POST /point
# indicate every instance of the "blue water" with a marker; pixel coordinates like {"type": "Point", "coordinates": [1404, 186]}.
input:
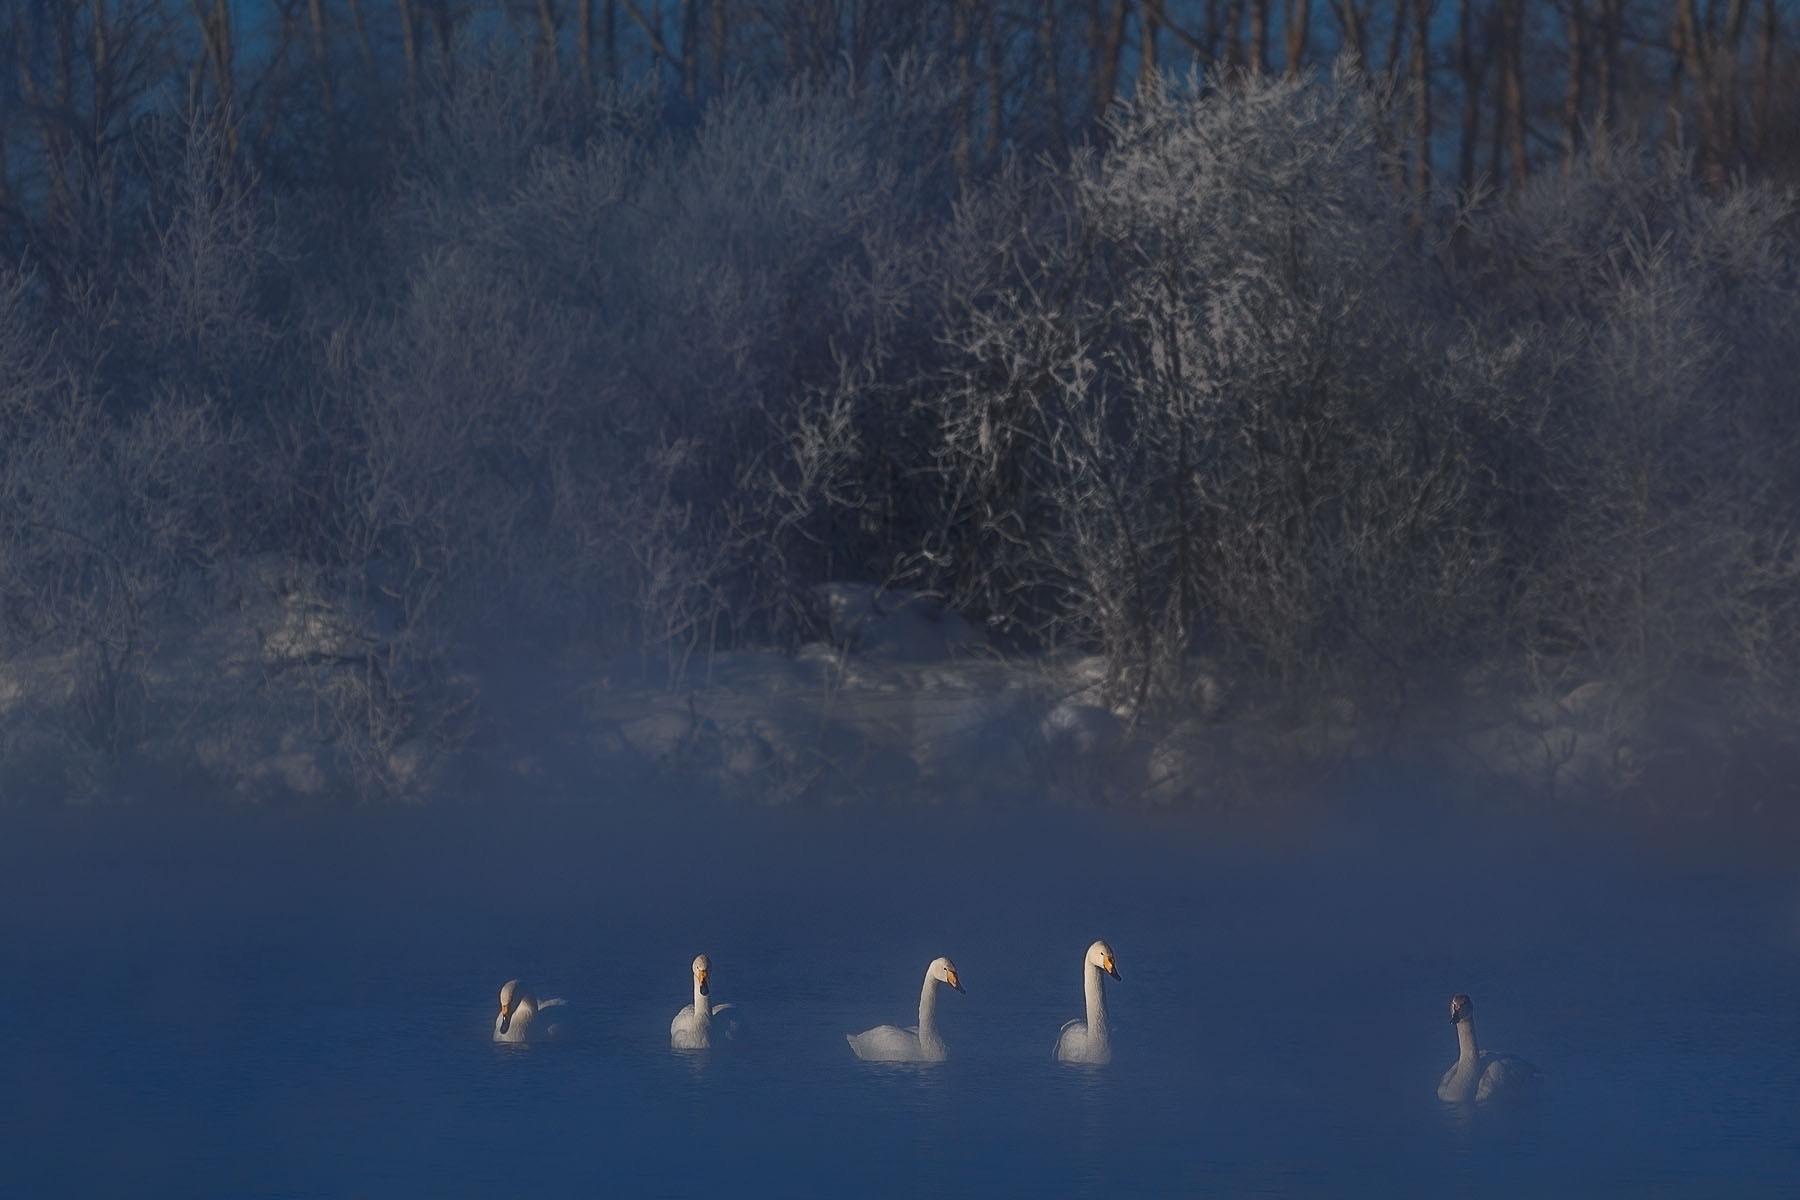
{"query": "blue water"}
{"type": "Point", "coordinates": [276, 1004]}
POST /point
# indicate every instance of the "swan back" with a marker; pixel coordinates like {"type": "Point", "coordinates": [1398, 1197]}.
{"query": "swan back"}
{"type": "Point", "coordinates": [1504, 1077]}
{"type": "Point", "coordinates": [889, 1043]}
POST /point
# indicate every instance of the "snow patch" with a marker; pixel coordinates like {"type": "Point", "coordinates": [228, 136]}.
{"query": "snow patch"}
{"type": "Point", "coordinates": [893, 624]}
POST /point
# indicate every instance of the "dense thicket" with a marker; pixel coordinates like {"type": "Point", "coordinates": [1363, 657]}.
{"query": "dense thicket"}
{"type": "Point", "coordinates": [635, 368]}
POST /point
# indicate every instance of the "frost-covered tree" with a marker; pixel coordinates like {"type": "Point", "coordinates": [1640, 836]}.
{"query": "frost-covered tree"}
{"type": "Point", "coordinates": [1651, 522]}
{"type": "Point", "coordinates": [624, 384]}
{"type": "Point", "coordinates": [1223, 367]}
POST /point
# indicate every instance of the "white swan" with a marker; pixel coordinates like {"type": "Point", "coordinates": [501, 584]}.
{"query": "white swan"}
{"type": "Point", "coordinates": [693, 1028]}
{"type": "Point", "coordinates": [1090, 1041]}
{"type": "Point", "coordinates": [519, 1011]}
{"type": "Point", "coordinates": [921, 1043]}
{"type": "Point", "coordinates": [1477, 1074]}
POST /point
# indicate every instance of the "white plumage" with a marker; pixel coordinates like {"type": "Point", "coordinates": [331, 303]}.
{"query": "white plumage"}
{"type": "Point", "coordinates": [696, 1026]}
{"type": "Point", "coordinates": [519, 1020]}
{"type": "Point", "coordinates": [921, 1043]}
{"type": "Point", "coordinates": [1478, 1074]}
{"type": "Point", "coordinates": [1090, 1041]}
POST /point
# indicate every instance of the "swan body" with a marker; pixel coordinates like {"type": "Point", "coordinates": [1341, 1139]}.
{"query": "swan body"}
{"type": "Point", "coordinates": [518, 1015]}
{"type": "Point", "coordinates": [694, 1027]}
{"type": "Point", "coordinates": [921, 1043]}
{"type": "Point", "coordinates": [1478, 1074]}
{"type": "Point", "coordinates": [1090, 1041]}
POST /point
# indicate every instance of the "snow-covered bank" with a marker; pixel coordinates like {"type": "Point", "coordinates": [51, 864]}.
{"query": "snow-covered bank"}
{"type": "Point", "coordinates": [281, 690]}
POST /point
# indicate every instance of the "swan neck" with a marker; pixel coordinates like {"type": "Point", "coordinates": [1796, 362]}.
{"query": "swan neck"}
{"type": "Point", "coordinates": [928, 1035]}
{"type": "Point", "coordinates": [1465, 1041]}
{"type": "Point", "coordinates": [928, 1006]}
{"type": "Point", "coordinates": [1096, 1003]}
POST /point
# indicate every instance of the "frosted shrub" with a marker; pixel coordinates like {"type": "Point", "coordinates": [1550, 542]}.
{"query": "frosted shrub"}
{"type": "Point", "coordinates": [476, 133]}
{"type": "Point", "coordinates": [1002, 408]}
{"type": "Point", "coordinates": [122, 451]}
{"type": "Point", "coordinates": [623, 383]}
{"type": "Point", "coordinates": [102, 523]}
{"type": "Point", "coordinates": [755, 240]}
{"type": "Point", "coordinates": [761, 273]}
{"type": "Point", "coordinates": [1660, 448]}
{"type": "Point", "coordinates": [25, 351]}
{"type": "Point", "coordinates": [438, 444]}
{"type": "Point", "coordinates": [1227, 374]}
{"type": "Point", "coordinates": [195, 286]}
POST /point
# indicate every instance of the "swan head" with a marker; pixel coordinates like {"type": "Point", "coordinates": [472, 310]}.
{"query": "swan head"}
{"type": "Point", "coordinates": [1461, 1008]}
{"type": "Point", "coordinates": [511, 993]}
{"type": "Point", "coordinates": [702, 969]}
{"type": "Point", "coordinates": [1100, 956]}
{"type": "Point", "coordinates": [944, 971]}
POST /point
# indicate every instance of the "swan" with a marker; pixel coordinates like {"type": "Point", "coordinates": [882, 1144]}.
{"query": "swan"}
{"type": "Point", "coordinates": [518, 1013]}
{"type": "Point", "coordinates": [692, 1028]}
{"type": "Point", "coordinates": [1089, 1041]}
{"type": "Point", "coordinates": [921, 1043]}
{"type": "Point", "coordinates": [1477, 1074]}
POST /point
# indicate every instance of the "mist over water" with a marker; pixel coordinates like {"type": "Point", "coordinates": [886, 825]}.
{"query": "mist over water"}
{"type": "Point", "coordinates": [264, 1003]}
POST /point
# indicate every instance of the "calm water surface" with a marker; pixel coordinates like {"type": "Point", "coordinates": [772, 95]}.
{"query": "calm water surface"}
{"type": "Point", "coordinates": [274, 1004]}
